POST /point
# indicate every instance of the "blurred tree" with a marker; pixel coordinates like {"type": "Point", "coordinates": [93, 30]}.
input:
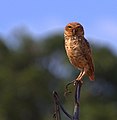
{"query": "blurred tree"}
{"type": "Point", "coordinates": [30, 73]}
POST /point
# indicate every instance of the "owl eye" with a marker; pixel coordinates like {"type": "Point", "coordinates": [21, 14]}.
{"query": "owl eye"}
{"type": "Point", "coordinates": [69, 27]}
{"type": "Point", "coordinates": [80, 28]}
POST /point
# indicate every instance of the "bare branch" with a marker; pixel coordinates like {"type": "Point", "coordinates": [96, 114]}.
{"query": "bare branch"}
{"type": "Point", "coordinates": [56, 98]}
{"type": "Point", "coordinates": [56, 115]}
{"type": "Point", "coordinates": [58, 104]}
{"type": "Point", "coordinates": [76, 113]}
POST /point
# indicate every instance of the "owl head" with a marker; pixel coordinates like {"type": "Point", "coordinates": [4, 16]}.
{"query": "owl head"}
{"type": "Point", "coordinates": [74, 29]}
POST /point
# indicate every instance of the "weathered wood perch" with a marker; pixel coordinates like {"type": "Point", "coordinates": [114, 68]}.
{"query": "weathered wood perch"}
{"type": "Point", "coordinates": [58, 105]}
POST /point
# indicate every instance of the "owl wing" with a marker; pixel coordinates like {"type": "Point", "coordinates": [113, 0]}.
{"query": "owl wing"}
{"type": "Point", "coordinates": [87, 49]}
{"type": "Point", "coordinates": [88, 56]}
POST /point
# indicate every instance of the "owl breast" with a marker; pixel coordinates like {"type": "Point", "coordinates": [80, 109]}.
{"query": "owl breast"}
{"type": "Point", "coordinates": [74, 52]}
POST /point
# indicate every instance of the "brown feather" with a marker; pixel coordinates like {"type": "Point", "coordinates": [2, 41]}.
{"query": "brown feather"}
{"type": "Point", "coordinates": [78, 49]}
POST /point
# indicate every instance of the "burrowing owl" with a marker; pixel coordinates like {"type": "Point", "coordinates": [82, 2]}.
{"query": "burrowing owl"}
{"type": "Point", "coordinates": [78, 50]}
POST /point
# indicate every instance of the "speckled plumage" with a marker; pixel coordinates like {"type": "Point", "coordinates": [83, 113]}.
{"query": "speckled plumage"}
{"type": "Point", "coordinates": [78, 50]}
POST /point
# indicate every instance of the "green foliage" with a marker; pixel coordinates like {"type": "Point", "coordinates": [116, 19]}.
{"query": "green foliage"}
{"type": "Point", "coordinates": [30, 73]}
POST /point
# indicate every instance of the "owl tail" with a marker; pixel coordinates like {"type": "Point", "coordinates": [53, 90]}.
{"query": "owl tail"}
{"type": "Point", "coordinates": [92, 77]}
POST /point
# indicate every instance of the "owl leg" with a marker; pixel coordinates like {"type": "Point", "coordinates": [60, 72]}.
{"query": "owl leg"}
{"type": "Point", "coordinates": [80, 75]}
{"type": "Point", "coordinates": [78, 79]}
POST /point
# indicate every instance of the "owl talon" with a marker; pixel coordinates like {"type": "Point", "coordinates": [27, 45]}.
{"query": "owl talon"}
{"type": "Point", "coordinates": [75, 82]}
{"type": "Point", "coordinates": [78, 82]}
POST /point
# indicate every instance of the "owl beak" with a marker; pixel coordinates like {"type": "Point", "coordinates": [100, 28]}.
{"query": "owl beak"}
{"type": "Point", "coordinates": [74, 31]}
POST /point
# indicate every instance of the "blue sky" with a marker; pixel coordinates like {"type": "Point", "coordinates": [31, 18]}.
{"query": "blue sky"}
{"type": "Point", "coordinates": [41, 17]}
